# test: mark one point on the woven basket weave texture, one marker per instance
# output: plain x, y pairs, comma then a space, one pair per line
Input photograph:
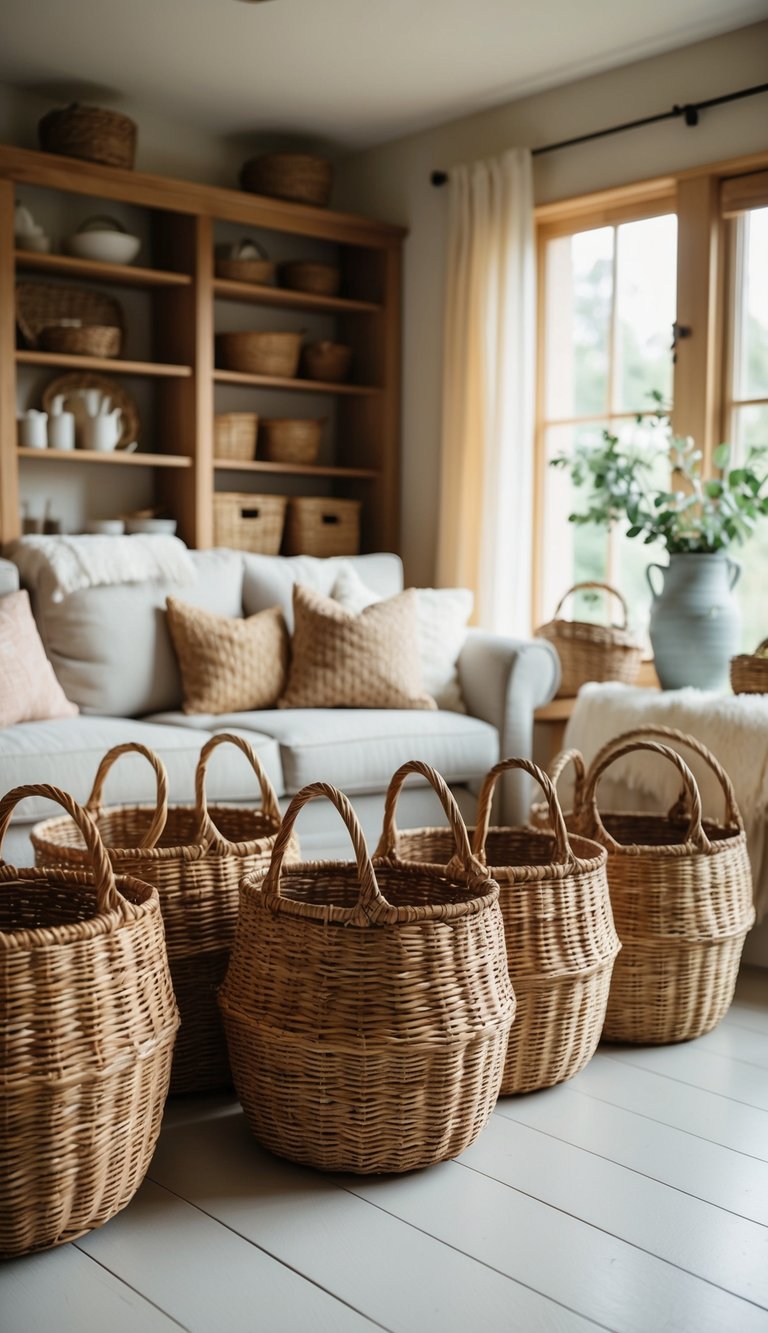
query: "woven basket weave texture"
249, 522
41, 305
89, 132
592, 652
749, 671
322, 525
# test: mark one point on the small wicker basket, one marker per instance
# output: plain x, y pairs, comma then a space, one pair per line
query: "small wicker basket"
301, 177
322, 526
235, 434
255, 353
305, 276
749, 671
681, 891
291, 439
87, 340
195, 857
367, 1011
89, 132
327, 361
592, 652
246, 262
87, 1026
249, 522
560, 937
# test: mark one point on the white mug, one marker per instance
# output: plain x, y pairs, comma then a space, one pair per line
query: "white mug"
61, 431
33, 433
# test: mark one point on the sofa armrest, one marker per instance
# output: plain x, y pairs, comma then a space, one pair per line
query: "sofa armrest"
9, 577
503, 682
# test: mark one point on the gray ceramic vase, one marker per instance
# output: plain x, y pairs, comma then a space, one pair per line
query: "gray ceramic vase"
695, 620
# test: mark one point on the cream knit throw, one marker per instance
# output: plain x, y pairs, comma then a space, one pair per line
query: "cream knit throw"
58, 566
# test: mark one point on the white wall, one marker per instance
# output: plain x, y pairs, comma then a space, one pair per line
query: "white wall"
392, 182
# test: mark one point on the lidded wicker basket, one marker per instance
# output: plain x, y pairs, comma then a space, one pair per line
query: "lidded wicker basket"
681, 891
89, 132
367, 1010
560, 937
303, 178
87, 1026
195, 857
592, 652
749, 671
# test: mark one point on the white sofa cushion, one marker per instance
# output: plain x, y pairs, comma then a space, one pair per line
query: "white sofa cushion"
66, 753
110, 646
358, 750
268, 579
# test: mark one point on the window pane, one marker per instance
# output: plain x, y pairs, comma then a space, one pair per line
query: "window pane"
571, 553
751, 377
646, 270
749, 427
579, 281
753, 558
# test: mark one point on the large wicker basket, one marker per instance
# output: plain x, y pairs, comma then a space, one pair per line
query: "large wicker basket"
367, 1012
249, 522
560, 937
89, 132
257, 353
41, 306
291, 439
309, 276
301, 177
87, 1026
322, 526
195, 857
681, 891
749, 671
592, 652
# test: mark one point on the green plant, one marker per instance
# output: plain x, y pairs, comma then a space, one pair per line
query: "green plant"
702, 514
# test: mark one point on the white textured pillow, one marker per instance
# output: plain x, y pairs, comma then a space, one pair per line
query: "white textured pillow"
442, 615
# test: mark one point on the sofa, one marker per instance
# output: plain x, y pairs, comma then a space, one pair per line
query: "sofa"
112, 654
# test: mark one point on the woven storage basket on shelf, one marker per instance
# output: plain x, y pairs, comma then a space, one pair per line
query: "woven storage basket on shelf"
681, 891
258, 353
87, 1026
248, 522
300, 177
89, 132
592, 652
195, 857
749, 671
246, 262
367, 1011
306, 276
86, 340
291, 439
322, 525
560, 938
41, 305
327, 361
235, 434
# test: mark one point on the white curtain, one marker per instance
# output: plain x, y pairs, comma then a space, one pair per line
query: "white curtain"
486, 487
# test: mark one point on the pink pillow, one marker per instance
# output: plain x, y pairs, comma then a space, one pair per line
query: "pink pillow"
29, 690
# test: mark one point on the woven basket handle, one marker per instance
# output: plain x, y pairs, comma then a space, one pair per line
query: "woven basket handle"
371, 905
107, 897
759, 648
386, 848
94, 802
605, 587
680, 806
593, 825
558, 767
563, 853
207, 833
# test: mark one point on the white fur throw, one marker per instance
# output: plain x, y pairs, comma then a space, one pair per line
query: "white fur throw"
62, 565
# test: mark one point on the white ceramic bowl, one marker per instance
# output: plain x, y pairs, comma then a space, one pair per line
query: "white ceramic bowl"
110, 247
157, 527
105, 527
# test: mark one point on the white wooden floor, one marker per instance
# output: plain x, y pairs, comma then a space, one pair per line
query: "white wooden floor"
633, 1198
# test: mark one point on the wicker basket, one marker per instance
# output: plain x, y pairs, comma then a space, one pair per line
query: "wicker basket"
378, 1046
44, 305
249, 522
681, 892
306, 276
592, 652
70, 384
300, 177
274, 354
86, 340
89, 132
560, 937
241, 264
195, 857
327, 361
291, 439
749, 671
234, 435
322, 525
87, 1027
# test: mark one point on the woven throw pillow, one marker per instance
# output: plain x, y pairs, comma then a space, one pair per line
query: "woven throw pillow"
228, 665
29, 690
343, 660
442, 615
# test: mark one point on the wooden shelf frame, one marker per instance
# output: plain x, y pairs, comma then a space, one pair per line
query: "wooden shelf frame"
112, 365
118, 456
236, 377
253, 293
113, 275
296, 469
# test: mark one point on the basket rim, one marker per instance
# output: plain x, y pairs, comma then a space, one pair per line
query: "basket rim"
191, 851
75, 932
506, 874
586, 631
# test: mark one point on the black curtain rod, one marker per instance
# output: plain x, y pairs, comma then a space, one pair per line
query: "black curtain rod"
690, 113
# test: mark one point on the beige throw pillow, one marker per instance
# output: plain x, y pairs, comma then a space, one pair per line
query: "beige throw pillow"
343, 660
29, 691
228, 665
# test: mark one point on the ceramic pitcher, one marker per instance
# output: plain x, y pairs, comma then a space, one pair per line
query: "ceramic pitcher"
695, 620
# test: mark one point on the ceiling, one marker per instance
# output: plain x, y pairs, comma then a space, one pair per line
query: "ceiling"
348, 73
